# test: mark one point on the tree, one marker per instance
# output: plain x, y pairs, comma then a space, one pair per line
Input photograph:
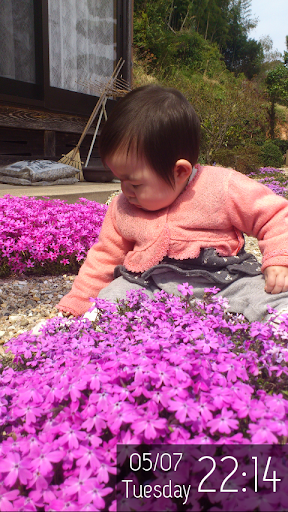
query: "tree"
169, 30
180, 15
277, 89
270, 55
286, 53
231, 112
241, 54
165, 30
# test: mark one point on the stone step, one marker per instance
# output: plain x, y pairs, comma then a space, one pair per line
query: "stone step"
98, 192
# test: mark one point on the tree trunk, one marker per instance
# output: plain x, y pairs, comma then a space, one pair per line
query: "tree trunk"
207, 25
272, 119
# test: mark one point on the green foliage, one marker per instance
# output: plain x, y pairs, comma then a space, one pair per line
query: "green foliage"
48, 268
277, 89
185, 31
211, 20
241, 54
271, 155
194, 46
244, 56
245, 159
281, 144
277, 84
170, 48
231, 113
5, 267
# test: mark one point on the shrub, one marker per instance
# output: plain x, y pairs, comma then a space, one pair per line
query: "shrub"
281, 144
271, 155
244, 159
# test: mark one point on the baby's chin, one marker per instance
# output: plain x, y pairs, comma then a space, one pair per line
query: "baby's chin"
147, 209
143, 208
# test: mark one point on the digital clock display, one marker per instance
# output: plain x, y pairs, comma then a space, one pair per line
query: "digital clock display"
193, 477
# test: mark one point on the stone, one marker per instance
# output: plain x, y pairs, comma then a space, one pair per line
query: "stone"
14, 318
27, 301
24, 322
31, 302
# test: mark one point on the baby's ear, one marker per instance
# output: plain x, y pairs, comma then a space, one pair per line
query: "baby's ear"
182, 170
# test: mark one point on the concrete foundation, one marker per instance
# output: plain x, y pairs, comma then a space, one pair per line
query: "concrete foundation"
98, 192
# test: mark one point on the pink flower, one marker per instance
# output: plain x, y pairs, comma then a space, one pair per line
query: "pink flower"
261, 433
149, 426
87, 456
81, 484
184, 409
16, 468
138, 378
30, 411
223, 422
95, 496
185, 289
6, 499
72, 435
65, 261
43, 458
104, 470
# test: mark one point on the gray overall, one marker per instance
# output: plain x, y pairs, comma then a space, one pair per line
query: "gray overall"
239, 278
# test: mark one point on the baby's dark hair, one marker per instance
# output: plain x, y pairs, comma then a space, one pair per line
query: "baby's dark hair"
159, 123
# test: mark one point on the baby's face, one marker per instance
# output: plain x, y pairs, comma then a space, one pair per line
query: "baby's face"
140, 184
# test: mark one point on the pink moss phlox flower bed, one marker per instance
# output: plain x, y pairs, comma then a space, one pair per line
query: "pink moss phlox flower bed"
275, 179
146, 371
51, 236
39, 236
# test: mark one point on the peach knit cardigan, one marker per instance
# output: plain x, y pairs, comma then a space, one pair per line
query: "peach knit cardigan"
212, 211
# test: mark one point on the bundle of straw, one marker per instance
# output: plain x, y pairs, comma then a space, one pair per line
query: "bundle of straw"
73, 157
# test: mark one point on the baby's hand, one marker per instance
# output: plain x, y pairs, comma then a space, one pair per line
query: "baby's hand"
276, 279
65, 314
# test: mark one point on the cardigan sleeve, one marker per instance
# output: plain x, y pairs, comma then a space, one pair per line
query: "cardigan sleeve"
257, 211
97, 270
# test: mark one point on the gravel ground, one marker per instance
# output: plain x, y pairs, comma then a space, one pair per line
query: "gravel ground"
25, 301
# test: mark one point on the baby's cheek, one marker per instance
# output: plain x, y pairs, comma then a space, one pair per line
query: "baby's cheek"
142, 195
127, 189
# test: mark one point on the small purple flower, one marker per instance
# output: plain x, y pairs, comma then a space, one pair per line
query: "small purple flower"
223, 422
81, 484
149, 426
185, 289
6, 499
16, 468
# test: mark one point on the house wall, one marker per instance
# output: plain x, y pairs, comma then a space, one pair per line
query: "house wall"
47, 117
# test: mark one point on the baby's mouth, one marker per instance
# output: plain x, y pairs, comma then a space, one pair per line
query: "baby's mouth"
135, 204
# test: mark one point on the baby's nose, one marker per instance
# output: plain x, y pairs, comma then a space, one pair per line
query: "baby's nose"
127, 189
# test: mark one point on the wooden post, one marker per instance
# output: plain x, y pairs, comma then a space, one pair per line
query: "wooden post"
49, 143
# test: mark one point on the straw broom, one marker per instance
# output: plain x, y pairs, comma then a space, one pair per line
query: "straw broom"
73, 157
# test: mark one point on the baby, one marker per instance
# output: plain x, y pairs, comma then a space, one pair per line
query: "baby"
177, 221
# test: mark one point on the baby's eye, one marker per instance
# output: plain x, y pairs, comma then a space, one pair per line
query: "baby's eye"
136, 186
